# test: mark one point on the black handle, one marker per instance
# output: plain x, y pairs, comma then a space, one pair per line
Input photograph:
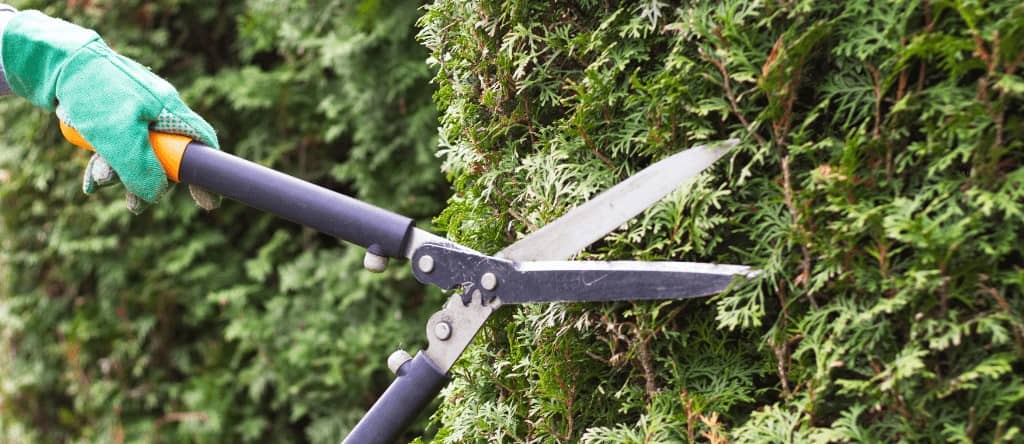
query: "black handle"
418, 382
380, 231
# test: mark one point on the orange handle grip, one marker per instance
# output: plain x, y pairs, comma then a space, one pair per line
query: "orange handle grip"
169, 148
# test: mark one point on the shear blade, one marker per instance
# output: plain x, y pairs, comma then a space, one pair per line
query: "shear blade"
543, 282
487, 278
606, 212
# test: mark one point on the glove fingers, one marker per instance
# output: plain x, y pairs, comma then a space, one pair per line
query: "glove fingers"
135, 203
204, 198
98, 174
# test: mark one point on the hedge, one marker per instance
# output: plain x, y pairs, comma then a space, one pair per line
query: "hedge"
878, 186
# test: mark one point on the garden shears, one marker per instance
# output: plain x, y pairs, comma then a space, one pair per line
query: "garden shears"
534, 269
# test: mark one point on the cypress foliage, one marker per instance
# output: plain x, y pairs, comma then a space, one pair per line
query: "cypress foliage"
878, 186
180, 326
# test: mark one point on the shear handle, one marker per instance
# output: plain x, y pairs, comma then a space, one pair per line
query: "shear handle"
418, 383
381, 232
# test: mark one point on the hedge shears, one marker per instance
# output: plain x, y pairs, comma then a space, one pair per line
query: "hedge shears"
534, 269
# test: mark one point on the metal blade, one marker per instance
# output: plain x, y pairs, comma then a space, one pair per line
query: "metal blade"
569, 281
585, 281
601, 215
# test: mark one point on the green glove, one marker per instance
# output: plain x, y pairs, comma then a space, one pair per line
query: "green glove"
111, 100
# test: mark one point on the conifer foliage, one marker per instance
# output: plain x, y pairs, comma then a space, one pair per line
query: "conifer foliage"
878, 186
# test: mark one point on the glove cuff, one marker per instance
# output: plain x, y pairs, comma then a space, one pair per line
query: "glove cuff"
35, 49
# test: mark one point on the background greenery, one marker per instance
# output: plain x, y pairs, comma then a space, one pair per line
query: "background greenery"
878, 185
180, 326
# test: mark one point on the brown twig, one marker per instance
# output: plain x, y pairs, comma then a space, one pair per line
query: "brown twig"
805, 262
1007, 309
734, 103
691, 431
506, 203
876, 82
529, 121
781, 348
647, 363
593, 148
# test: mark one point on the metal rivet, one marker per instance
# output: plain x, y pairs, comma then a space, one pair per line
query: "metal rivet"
443, 330
426, 263
396, 360
489, 281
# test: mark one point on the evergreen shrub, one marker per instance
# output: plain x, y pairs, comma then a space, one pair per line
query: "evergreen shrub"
878, 186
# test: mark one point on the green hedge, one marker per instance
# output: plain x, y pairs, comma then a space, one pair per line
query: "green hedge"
878, 186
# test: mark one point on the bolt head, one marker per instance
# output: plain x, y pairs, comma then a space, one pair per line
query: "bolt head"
489, 281
443, 330
426, 263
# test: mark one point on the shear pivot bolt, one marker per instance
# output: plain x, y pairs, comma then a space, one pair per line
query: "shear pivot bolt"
489, 281
426, 263
443, 330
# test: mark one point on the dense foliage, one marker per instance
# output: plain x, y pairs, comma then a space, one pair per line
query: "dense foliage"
878, 186
180, 326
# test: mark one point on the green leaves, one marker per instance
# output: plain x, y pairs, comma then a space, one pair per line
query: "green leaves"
877, 189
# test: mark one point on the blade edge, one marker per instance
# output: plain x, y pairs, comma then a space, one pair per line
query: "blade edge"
594, 219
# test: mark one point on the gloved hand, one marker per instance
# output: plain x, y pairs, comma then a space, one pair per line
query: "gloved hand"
111, 100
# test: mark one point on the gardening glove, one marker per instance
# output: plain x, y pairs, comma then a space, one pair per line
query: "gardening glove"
112, 101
